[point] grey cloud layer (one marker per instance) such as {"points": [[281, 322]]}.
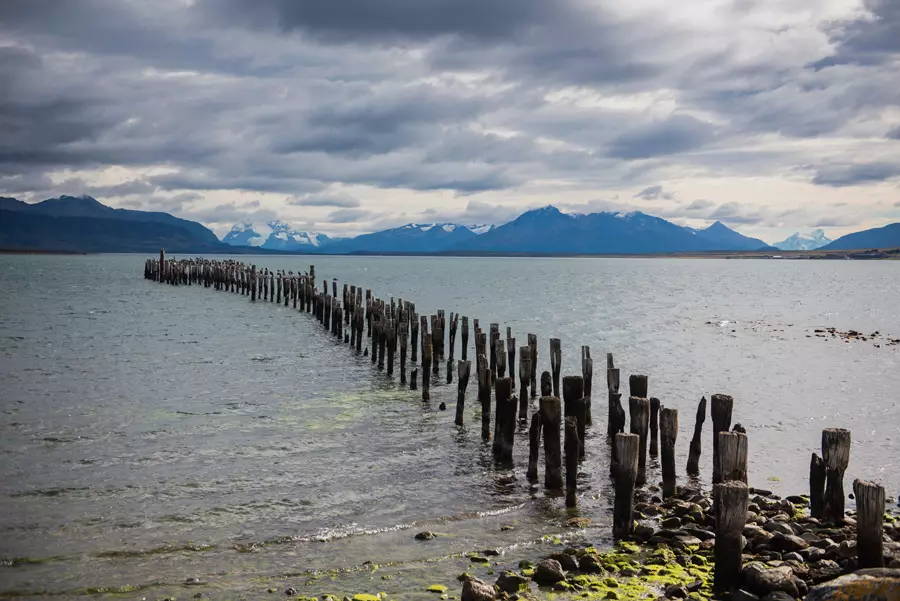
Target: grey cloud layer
{"points": [[294, 97]]}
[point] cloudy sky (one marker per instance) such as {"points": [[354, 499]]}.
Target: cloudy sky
{"points": [[346, 116]]}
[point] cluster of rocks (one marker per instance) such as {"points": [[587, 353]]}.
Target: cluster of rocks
{"points": [[854, 336], [787, 555]]}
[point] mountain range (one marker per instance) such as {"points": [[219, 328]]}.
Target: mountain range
{"points": [[797, 241], [83, 224]]}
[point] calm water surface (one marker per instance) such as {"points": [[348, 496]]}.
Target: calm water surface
{"points": [[150, 433]]}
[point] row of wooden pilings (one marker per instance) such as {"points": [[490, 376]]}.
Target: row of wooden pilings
{"points": [[652, 426]]}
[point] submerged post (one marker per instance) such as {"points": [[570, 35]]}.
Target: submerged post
{"points": [[836, 453], [506, 421], [484, 396], [573, 446], [573, 397], [731, 500], [524, 379], [733, 456], [668, 431], [639, 408], [587, 372], [551, 414], [534, 445], [654, 427], [869, 523], [555, 363], [464, 350], [720, 410], [532, 342], [693, 464], [463, 368], [816, 487], [625, 471]]}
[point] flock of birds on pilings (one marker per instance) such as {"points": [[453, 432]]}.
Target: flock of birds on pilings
{"points": [[557, 425]]}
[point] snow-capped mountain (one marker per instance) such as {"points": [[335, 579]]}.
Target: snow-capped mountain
{"points": [[811, 241], [412, 237], [274, 235]]}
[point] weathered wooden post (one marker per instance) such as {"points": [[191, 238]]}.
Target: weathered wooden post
{"points": [[414, 336], [555, 363], [532, 342], [391, 346], [625, 471], [587, 372], [404, 341], [733, 456], [464, 367], [869, 523], [574, 406], [506, 421], [551, 414], [668, 430], [693, 463], [279, 282], [616, 423], [253, 283], [511, 356], [534, 445], [637, 385], [492, 351], [654, 427], [436, 342], [836, 453], [426, 365], [639, 408], [162, 265], [731, 501], [573, 449], [484, 395], [816, 487], [720, 410], [546, 384], [524, 378], [500, 351], [464, 350], [454, 325]]}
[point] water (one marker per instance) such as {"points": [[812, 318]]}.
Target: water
{"points": [[150, 433]]}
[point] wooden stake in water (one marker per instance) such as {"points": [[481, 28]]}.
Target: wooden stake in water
{"points": [[532, 342], [464, 350], [668, 431], [587, 372], [654, 427], [816, 487], [464, 368], [506, 421], [869, 523], [573, 446], [555, 363], [534, 445], [721, 408], [574, 406], [836, 453], [524, 379], [693, 464], [426, 364], [731, 501], [484, 396], [500, 352], [616, 423], [551, 414], [639, 408], [511, 356], [733, 456], [625, 472]]}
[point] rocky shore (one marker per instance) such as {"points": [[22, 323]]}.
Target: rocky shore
{"points": [[787, 555]]}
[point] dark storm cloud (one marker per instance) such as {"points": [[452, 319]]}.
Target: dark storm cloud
{"points": [[344, 201], [893, 134], [850, 175], [872, 38], [678, 133], [732, 212], [653, 193]]}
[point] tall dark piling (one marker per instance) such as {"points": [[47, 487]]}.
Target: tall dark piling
{"points": [[506, 421], [731, 501], [836, 454], [573, 446], [546, 384], [463, 367], [511, 357], [616, 422], [637, 385], [253, 283], [693, 463], [484, 396], [454, 326], [551, 414], [391, 346], [532, 342], [555, 363], [492, 351], [654, 427], [534, 446], [733, 456], [414, 336], [162, 266], [427, 358], [639, 408], [668, 433], [720, 410], [869, 523], [816, 487], [625, 471], [464, 349], [587, 372], [500, 351], [524, 379], [574, 406]]}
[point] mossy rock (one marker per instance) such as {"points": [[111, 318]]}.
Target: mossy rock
{"points": [[437, 588], [365, 597]]}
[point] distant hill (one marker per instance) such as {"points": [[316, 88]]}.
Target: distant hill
{"points": [[880, 237], [411, 238], [797, 241], [722, 237]]}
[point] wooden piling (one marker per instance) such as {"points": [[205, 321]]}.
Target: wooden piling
{"points": [[463, 367], [869, 523], [625, 472], [414, 336], [464, 349], [426, 364], [492, 351], [506, 421], [524, 379], [484, 396], [668, 431], [836, 454], [546, 384], [733, 456], [693, 463], [404, 342], [253, 283], [639, 408], [555, 363], [574, 406], [500, 351], [511, 356], [532, 342], [637, 385], [587, 372], [720, 410], [654, 427], [731, 500], [534, 445], [816, 487], [616, 422], [551, 414], [573, 446]]}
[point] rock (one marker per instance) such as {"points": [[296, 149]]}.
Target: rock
{"points": [[426, 536], [700, 533], [787, 542], [812, 554], [686, 540], [824, 570], [778, 596], [798, 500], [672, 522], [810, 537], [289, 592], [793, 555], [674, 591], [847, 549], [477, 590], [643, 531], [876, 584], [780, 527], [567, 562], [590, 564], [442, 406], [510, 582], [800, 569], [192, 581], [762, 580], [742, 595], [548, 571], [490, 553]]}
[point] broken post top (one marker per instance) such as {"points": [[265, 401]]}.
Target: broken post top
{"points": [[572, 388], [637, 385], [836, 448], [546, 384]]}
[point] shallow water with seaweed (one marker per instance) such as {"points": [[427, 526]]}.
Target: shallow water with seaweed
{"points": [[149, 434]]}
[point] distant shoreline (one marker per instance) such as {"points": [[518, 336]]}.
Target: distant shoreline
{"points": [[860, 254]]}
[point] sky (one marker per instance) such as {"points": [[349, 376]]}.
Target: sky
{"points": [[348, 116]]}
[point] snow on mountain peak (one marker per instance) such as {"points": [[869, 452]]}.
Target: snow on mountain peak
{"points": [[797, 241]]}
